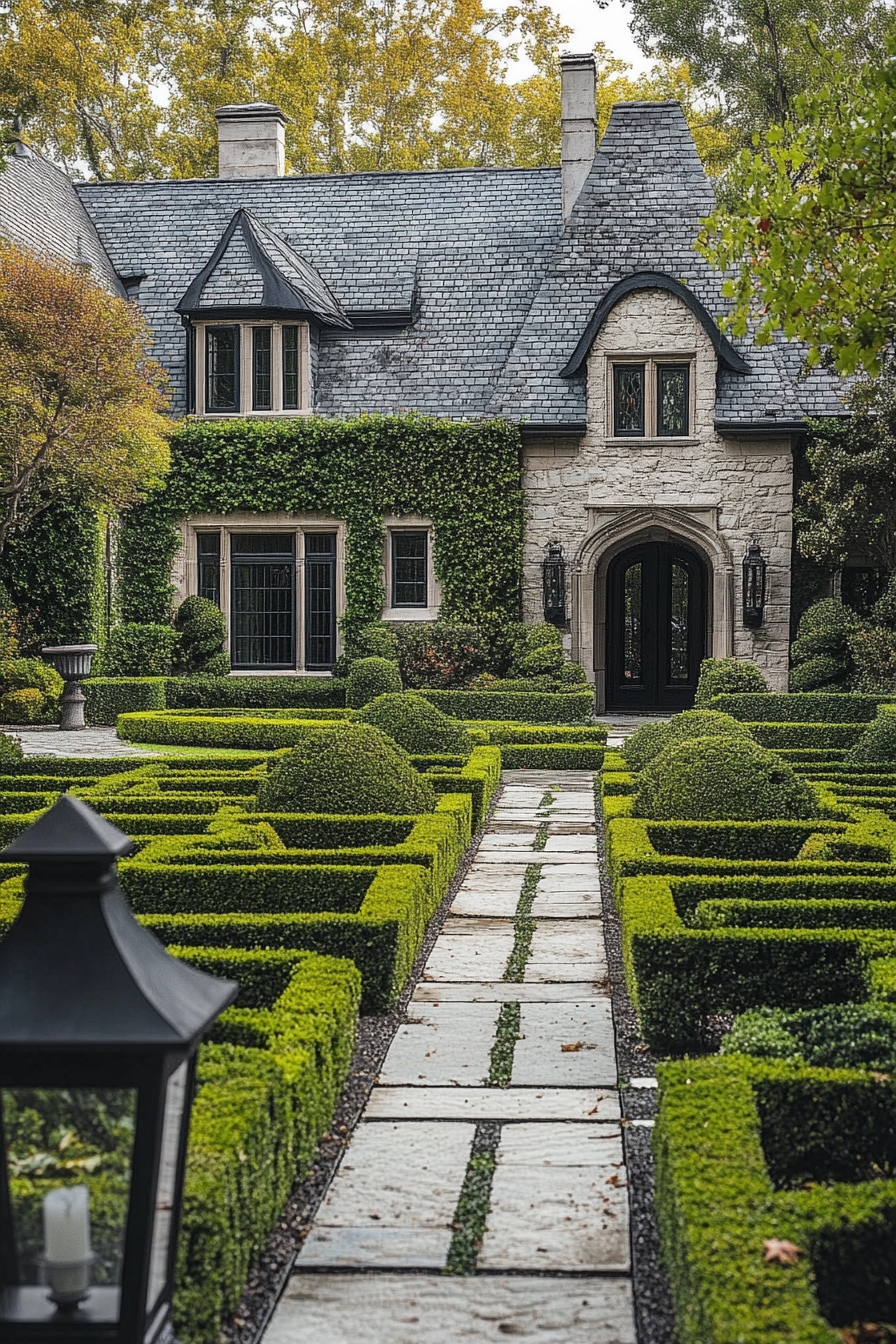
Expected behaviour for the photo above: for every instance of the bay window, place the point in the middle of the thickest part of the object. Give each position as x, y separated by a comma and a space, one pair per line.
252, 368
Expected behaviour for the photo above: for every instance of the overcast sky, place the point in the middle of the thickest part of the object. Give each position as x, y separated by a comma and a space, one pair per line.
591, 25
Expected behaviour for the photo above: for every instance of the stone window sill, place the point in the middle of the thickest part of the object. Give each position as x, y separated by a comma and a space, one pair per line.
652, 441
411, 614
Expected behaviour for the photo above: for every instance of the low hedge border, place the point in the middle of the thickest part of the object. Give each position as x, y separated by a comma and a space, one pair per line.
480, 778
799, 914
382, 938
680, 977
257, 1119
717, 1205
527, 734
689, 892
548, 707
800, 707
553, 756
189, 730
107, 697
805, 735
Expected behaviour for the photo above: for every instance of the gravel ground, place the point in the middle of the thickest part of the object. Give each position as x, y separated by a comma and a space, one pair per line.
654, 1315
375, 1032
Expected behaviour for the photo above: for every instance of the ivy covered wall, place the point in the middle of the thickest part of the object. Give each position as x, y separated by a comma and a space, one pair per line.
465, 477
55, 575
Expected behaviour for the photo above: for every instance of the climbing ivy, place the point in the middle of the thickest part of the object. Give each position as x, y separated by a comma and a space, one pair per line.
464, 477
53, 572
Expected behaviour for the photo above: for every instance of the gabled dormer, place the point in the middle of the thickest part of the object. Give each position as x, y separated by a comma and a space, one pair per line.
253, 314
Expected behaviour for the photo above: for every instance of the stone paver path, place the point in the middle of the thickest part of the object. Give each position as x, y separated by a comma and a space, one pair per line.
78, 742
503, 1072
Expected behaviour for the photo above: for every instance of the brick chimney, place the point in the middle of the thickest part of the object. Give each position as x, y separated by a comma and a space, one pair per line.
251, 140
578, 121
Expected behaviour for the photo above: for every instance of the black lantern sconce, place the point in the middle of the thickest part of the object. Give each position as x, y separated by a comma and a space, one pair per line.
99, 1029
554, 583
755, 567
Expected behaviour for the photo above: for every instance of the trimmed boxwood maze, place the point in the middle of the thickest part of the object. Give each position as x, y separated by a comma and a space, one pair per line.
318, 915
790, 921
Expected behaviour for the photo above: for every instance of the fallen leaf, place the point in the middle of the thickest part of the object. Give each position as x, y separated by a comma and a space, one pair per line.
779, 1252
865, 1332
594, 1109
880, 1078
570, 1049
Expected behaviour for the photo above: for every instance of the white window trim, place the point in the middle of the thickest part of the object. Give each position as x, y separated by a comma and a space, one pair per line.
186, 570
430, 612
650, 362
246, 411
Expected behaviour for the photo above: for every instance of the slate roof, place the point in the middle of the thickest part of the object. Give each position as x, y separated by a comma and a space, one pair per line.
252, 267
498, 292
40, 209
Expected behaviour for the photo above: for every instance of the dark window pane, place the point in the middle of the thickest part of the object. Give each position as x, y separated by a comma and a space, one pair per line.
263, 612
678, 632
672, 400
261, 369
222, 368
409, 569
628, 399
263, 543
631, 667
320, 599
208, 557
290, 368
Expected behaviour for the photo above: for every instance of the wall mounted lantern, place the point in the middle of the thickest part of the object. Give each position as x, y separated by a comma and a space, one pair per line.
755, 567
554, 583
99, 1029
73, 662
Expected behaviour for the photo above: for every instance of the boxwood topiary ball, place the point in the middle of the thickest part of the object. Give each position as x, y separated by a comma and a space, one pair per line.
415, 724
721, 779
652, 738
878, 742
349, 768
370, 677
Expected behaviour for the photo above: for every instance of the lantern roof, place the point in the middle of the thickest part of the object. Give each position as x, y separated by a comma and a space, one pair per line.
77, 971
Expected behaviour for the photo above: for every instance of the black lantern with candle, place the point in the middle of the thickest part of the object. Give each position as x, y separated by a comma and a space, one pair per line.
755, 566
99, 1029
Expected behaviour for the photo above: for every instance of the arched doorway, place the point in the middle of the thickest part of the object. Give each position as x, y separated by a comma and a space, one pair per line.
656, 626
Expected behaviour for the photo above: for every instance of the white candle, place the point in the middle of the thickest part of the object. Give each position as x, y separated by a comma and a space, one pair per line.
67, 1225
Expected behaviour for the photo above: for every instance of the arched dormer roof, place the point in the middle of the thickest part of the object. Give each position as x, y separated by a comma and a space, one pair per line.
725, 351
253, 268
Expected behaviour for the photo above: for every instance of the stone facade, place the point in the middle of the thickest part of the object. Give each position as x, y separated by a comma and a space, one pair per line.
712, 491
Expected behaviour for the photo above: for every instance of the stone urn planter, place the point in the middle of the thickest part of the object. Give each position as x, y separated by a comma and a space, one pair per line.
73, 663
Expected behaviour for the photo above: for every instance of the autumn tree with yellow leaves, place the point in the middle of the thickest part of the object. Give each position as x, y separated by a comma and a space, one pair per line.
127, 88
81, 404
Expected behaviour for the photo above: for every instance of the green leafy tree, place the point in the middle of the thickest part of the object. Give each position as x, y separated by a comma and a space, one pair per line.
807, 231
757, 56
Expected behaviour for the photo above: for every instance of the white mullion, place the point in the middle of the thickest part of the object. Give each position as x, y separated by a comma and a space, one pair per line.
305, 398
199, 367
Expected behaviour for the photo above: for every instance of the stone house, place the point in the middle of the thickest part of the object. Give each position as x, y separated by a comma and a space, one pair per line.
570, 301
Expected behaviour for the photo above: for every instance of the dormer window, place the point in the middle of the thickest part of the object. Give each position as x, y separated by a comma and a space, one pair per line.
651, 399
252, 368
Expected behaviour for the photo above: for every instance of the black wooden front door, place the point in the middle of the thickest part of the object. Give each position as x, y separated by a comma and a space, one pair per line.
656, 627
263, 596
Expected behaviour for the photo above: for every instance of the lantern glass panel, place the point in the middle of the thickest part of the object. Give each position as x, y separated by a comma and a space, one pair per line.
68, 1180
172, 1126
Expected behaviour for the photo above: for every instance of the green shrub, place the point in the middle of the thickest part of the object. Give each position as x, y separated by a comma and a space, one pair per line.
134, 650
237, 732
717, 778
107, 697
25, 706
25, 673
873, 652
820, 653
10, 753
215, 692
441, 654
523, 707
878, 742
351, 768
202, 630
835, 1036
540, 654
553, 756
806, 707
727, 676
651, 738
571, 675
370, 677
377, 639
416, 725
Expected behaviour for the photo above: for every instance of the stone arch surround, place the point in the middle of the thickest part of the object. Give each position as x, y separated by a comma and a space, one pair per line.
615, 530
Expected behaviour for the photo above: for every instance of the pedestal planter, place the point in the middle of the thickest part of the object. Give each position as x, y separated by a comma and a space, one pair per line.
72, 662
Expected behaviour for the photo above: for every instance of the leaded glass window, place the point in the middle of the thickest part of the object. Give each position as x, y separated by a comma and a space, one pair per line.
222, 368
672, 400
409, 569
208, 558
262, 354
628, 399
679, 612
632, 625
290, 368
